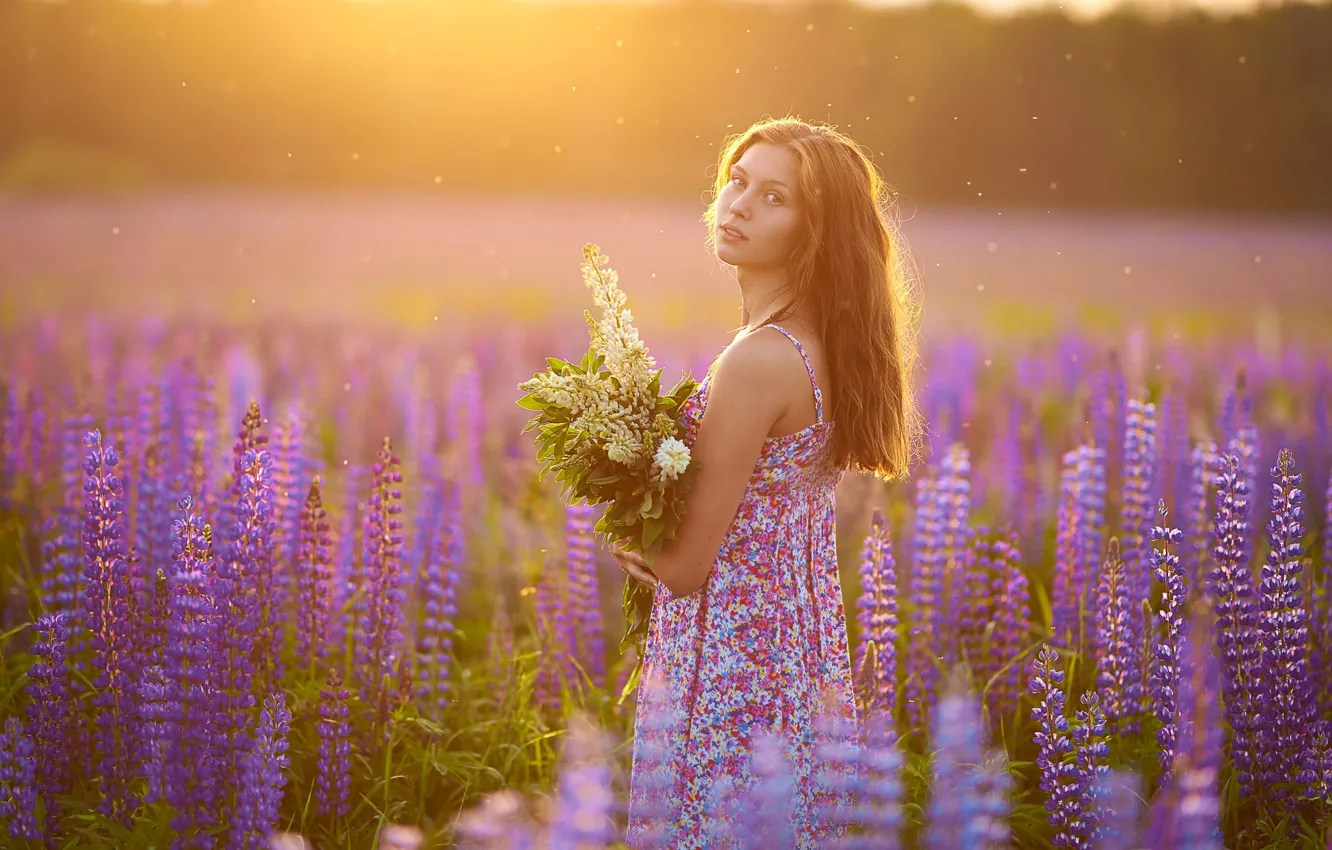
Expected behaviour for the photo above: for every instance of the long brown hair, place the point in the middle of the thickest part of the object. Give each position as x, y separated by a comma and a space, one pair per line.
853, 272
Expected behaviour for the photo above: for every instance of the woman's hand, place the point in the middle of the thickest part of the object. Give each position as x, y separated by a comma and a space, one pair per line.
633, 564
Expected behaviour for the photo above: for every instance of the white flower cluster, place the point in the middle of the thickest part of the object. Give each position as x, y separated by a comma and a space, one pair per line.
616, 409
672, 457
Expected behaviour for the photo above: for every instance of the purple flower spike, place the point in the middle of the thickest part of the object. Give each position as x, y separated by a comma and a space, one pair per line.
925, 587
383, 542
1119, 790
767, 818
1090, 489
1057, 770
1090, 763
1194, 517
1165, 667
1286, 695
314, 577
1187, 812
1066, 598
1115, 667
196, 708
108, 622
580, 519
877, 615
264, 777
439, 588
18, 781
1136, 524
49, 712
1230, 586
586, 799
1012, 623
334, 782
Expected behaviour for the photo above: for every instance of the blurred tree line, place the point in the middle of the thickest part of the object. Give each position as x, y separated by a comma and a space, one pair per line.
498, 95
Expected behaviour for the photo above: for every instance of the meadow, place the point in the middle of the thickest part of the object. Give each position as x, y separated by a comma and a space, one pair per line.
276, 560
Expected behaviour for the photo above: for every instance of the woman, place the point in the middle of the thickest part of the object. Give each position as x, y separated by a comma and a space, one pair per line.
748, 629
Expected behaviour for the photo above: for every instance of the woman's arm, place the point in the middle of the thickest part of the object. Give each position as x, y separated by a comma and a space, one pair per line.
746, 396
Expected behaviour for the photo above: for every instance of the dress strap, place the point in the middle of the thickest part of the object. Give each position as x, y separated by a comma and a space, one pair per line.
818, 394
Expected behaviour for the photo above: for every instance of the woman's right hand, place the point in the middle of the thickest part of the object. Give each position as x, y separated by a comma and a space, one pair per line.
634, 565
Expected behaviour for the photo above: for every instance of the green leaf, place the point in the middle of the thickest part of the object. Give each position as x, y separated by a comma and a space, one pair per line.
631, 684
531, 402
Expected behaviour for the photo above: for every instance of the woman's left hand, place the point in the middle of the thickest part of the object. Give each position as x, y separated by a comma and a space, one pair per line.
633, 564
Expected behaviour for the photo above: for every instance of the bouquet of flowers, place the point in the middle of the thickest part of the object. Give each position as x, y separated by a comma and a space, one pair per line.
609, 435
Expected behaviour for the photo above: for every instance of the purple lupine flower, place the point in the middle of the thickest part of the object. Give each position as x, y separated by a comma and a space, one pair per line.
242, 661
973, 603
349, 575
1058, 772
154, 485
954, 492
439, 588
1194, 552
1174, 450
585, 800
1136, 525
314, 577
1323, 663
1288, 708
1236, 411
334, 781
383, 568
1065, 601
585, 600
62, 567
500, 820
196, 710
264, 777
1119, 789
956, 734
464, 420
1011, 622
554, 626
1115, 664
925, 586
49, 713
658, 723
877, 612
288, 488
1230, 585
249, 437
766, 821
1090, 489
18, 781
1186, 814
1091, 767
1245, 447
153, 692
1316, 770
1165, 655
254, 548
108, 623
858, 783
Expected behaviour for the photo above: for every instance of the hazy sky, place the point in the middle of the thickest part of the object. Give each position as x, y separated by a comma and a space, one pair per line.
1081, 9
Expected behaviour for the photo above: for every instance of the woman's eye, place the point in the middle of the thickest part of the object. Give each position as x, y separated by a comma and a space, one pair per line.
735, 178
775, 195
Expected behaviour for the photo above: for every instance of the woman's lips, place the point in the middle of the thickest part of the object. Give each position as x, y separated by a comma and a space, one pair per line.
732, 235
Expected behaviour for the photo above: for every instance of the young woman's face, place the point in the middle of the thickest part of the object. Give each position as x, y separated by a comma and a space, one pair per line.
759, 202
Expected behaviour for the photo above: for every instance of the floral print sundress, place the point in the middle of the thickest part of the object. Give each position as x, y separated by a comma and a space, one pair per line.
760, 647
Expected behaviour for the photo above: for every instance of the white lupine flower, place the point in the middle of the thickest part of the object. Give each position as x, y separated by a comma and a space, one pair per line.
617, 409
672, 457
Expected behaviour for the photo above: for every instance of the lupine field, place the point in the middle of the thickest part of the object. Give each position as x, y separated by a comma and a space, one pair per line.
269, 587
